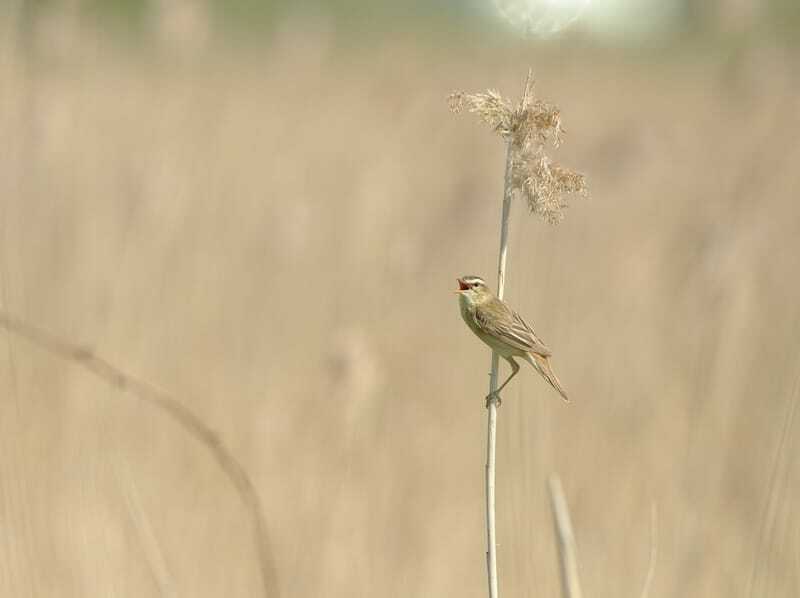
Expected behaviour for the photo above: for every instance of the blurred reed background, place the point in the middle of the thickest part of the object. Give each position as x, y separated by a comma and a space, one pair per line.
263, 208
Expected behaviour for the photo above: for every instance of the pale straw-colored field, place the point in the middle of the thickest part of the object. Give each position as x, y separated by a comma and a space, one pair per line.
272, 235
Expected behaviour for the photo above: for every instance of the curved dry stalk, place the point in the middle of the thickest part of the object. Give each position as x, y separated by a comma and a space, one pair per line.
651, 567
181, 414
567, 549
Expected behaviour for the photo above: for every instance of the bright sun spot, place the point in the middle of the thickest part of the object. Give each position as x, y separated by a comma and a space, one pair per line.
541, 17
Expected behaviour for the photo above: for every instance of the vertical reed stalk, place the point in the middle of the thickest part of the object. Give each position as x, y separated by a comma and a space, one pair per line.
544, 185
491, 438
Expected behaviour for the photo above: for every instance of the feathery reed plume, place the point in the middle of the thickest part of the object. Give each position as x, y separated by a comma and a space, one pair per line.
181, 414
526, 128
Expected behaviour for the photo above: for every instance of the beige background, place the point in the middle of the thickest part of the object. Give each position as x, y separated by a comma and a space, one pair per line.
273, 235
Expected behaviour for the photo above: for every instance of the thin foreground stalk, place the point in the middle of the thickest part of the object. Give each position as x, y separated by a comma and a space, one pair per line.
491, 444
567, 551
651, 568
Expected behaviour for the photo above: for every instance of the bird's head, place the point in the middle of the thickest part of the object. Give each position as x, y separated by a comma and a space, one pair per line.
473, 290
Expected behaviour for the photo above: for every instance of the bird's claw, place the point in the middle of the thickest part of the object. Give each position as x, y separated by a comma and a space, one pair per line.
493, 397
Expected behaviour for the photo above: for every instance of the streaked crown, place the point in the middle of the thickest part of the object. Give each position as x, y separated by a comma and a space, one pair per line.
473, 280
472, 284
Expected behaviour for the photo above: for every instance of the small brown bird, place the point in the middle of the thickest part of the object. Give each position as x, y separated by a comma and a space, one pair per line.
504, 330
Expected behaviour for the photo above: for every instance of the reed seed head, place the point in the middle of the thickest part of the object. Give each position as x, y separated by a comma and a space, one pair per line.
528, 127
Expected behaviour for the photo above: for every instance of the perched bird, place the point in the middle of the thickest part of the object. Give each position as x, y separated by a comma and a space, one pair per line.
504, 330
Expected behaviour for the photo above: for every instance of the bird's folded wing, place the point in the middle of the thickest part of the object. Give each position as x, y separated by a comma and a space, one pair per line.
510, 328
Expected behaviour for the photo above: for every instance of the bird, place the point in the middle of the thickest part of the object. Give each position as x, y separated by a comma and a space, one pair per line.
504, 330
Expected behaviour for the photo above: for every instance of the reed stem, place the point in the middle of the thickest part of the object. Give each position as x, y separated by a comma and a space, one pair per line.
491, 439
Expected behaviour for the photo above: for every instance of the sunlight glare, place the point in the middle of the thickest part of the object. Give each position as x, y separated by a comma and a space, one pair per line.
541, 17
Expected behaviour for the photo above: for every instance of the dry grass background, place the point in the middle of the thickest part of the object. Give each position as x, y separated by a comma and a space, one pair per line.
274, 234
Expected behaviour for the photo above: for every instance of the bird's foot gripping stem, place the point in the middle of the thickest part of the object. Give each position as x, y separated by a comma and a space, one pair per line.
493, 397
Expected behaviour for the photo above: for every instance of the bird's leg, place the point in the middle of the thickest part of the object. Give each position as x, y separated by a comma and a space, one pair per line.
515, 367
495, 396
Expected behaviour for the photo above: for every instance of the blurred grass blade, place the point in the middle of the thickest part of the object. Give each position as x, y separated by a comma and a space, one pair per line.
567, 549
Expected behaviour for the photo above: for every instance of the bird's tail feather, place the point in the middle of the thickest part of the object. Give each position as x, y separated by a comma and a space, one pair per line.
542, 364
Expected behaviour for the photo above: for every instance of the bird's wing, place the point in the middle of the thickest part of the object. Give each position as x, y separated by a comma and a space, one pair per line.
501, 321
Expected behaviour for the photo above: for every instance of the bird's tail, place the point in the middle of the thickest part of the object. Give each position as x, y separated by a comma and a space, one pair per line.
542, 364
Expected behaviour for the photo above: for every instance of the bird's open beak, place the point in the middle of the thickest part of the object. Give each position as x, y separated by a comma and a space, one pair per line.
461, 286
